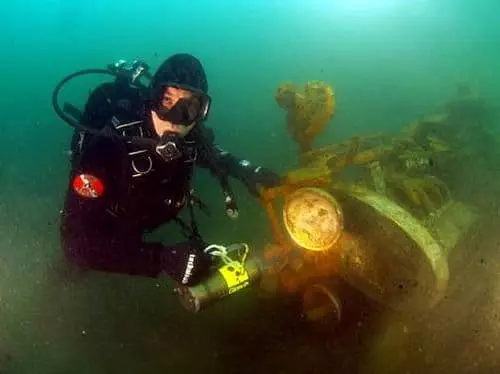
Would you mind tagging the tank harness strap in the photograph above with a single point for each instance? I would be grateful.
(230, 204)
(191, 230)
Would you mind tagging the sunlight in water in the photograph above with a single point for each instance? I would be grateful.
(368, 7)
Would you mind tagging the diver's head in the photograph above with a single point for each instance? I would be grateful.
(179, 95)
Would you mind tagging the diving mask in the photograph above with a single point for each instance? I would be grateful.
(190, 107)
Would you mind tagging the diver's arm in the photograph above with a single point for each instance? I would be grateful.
(97, 249)
(100, 158)
(90, 241)
(213, 156)
(232, 165)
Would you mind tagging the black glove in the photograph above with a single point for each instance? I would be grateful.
(186, 263)
(260, 177)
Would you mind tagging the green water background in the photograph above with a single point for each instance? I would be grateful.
(389, 62)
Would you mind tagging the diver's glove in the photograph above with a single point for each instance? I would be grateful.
(258, 176)
(186, 263)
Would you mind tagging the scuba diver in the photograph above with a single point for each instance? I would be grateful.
(133, 154)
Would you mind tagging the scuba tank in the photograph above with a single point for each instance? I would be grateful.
(231, 276)
(123, 72)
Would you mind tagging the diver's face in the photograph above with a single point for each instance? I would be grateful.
(171, 96)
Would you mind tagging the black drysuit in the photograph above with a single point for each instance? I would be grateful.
(141, 191)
